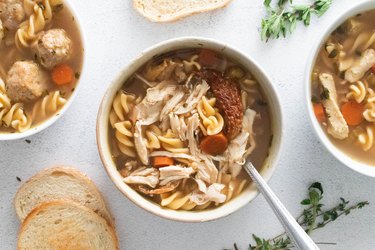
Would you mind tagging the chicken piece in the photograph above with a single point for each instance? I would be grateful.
(25, 81)
(193, 99)
(145, 176)
(52, 47)
(360, 66)
(12, 13)
(174, 173)
(149, 110)
(228, 99)
(140, 144)
(160, 190)
(205, 194)
(207, 170)
(337, 126)
(173, 155)
(247, 126)
(169, 106)
(237, 152)
(178, 126)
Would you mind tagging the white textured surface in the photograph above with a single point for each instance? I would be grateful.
(115, 34)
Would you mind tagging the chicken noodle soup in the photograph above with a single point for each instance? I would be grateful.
(343, 87)
(182, 126)
(41, 58)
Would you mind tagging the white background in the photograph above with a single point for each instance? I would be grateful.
(115, 34)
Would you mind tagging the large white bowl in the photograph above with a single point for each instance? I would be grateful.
(354, 164)
(182, 43)
(53, 119)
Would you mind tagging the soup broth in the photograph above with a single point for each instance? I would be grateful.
(52, 51)
(343, 84)
(182, 126)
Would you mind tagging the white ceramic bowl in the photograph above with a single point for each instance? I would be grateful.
(53, 119)
(182, 43)
(354, 164)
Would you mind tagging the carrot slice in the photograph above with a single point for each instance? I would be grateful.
(214, 144)
(162, 161)
(207, 58)
(353, 112)
(320, 114)
(62, 74)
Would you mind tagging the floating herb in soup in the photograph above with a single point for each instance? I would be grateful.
(182, 126)
(41, 52)
(343, 84)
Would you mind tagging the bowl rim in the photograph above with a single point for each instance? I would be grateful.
(345, 159)
(44, 125)
(110, 166)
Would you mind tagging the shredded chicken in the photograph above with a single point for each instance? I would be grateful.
(193, 99)
(361, 66)
(337, 125)
(169, 106)
(247, 126)
(237, 152)
(178, 126)
(148, 111)
(140, 144)
(205, 194)
(174, 173)
(145, 176)
(207, 170)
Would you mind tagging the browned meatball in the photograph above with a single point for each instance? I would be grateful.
(12, 13)
(52, 47)
(25, 81)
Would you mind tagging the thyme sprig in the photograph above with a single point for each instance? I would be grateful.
(312, 218)
(282, 19)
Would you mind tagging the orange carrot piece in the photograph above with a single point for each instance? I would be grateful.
(214, 144)
(162, 161)
(208, 57)
(62, 74)
(320, 114)
(353, 113)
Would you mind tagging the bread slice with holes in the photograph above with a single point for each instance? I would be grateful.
(59, 183)
(66, 225)
(171, 10)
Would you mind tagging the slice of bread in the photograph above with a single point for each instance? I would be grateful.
(171, 10)
(66, 225)
(59, 183)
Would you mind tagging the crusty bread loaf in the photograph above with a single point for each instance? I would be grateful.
(66, 225)
(171, 10)
(59, 183)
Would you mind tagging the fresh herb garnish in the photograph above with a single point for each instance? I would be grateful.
(312, 218)
(315, 99)
(18, 179)
(283, 19)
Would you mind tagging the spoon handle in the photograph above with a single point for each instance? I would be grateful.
(295, 231)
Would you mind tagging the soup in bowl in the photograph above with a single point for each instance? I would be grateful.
(41, 52)
(341, 89)
(176, 126)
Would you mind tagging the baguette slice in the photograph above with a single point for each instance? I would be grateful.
(66, 225)
(172, 10)
(59, 183)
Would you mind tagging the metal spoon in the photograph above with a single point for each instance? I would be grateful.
(295, 231)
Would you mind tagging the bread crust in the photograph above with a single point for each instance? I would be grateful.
(177, 16)
(44, 206)
(68, 171)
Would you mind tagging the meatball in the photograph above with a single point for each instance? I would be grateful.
(52, 47)
(25, 81)
(12, 13)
